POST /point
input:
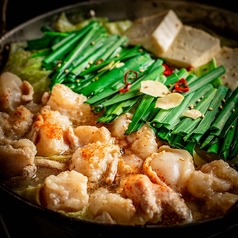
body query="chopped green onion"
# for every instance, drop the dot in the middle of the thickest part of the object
(225, 113)
(206, 79)
(188, 124)
(211, 113)
(135, 63)
(227, 141)
(67, 46)
(175, 76)
(140, 112)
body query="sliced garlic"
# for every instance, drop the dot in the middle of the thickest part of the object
(154, 88)
(169, 101)
(192, 113)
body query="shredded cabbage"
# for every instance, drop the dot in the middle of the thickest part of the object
(21, 63)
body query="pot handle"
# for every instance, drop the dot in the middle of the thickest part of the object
(3, 17)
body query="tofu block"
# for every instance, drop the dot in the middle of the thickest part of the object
(228, 57)
(191, 47)
(155, 33)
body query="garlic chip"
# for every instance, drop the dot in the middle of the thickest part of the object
(118, 64)
(192, 113)
(154, 88)
(107, 67)
(169, 101)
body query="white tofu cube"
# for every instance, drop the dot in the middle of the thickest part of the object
(228, 57)
(155, 33)
(192, 47)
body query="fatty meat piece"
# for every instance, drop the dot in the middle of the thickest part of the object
(13, 92)
(17, 158)
(97, 161)
(152, 201)
(67, 191)
(52, 133)
(121, 210)
(70, 104)
(170, 166)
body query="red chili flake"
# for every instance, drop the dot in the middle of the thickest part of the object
(126, 80)
(167, 70)
(190, 68)
(181, 86)
(125, 89)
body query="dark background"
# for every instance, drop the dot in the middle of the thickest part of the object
(19, 11)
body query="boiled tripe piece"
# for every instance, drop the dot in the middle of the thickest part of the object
(155, 33)
(191, 47)
(228, 57)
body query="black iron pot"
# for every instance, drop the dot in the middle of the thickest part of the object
(20, 218)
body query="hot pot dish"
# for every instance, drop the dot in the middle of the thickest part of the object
(129, 122)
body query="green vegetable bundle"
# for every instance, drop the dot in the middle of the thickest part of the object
(100, 65)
